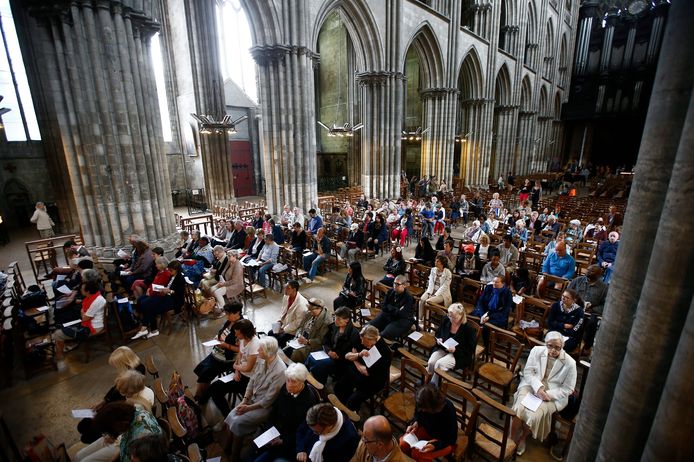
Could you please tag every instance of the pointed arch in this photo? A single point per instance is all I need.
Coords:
(470, 76)
(264, 22)
(542, 108)
(526, 95)
(557, 106)
(502, 88)
(549, 38)
(427, 46)
(361, 28)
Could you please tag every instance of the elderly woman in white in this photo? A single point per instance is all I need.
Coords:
(439, 287)
(550, 375)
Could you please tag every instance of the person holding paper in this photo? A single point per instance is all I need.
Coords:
(454, 327)
(397, 311)
(361, 382)
(341, 338)
(566, 317)
(321, 250)
(434, 430)
(311, 332)
(353, 289)
(256, 245)
(166, 297)
(221, 359)
(287, 414)
(243, 366)
(327, 436)
(439, 286)
(294, 310)
(549, 374)
(93, 306)
(263, 387)
(202, 257)
(395, 266)
(377, 443)
(267, 258)
(494, 305)
(141, 266)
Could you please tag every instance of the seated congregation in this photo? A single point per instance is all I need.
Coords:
(469, 345)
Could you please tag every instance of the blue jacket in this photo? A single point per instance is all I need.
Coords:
(278, 234)
(563, 267)
(607, 252)
(315, 223)
(498, 315)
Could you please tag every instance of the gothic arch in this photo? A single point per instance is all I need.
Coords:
(542, 105)
(361, 28)
(427, 46)
(502, 87)
(526, 95)
(557, 106)
(549, 39)
(264, 22)
(470, 76)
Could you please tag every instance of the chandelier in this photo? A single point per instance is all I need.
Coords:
(341, 130)
(413, 135)
(462, 138)
(208, 125)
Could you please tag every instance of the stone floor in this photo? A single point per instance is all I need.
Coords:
(42, 404)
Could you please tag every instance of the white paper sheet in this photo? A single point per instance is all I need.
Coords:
(374, 355)
(72, 323)
(83, 413)
(60, 277)
(319, 355)
(125, 273)
(41, 309)
(450, 343)
(226, 378)
(211, 343)
(64, 290)
(157, 287)
(294, 343)
(215, 459)
(276, 327)
(266, 437)
(412, 440)
(531, 402)
(517, 299)
(122, 254)
(365, 312)
(122, 300)
(415, 335)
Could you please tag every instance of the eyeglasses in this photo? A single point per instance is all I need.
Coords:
(398, 284)
(553, 347)
(365, 441)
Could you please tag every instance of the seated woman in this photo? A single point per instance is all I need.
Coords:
(288, 413)
(131, 385)
(453, 326)
(221, 359)
(468, 264)
(495, 205)
(256, 245)
(397, 311)
(141, 266)
(230, 285)
(208, 285)
(519, 233)
(434, 421)
(92, 313)
(353, 244)
(194, 267)
(445, 236)
(171, 296)
(482, 249)
(574, 234)
(263, 387)
(424, 253)
(354, 288)
(566, 317)
(326, 436)
(448, 253)
(520, 282)
(439, 286)
(395, 266)
(494, 306)
(361, 382)
(298, 238)
(549, 374)
(379, 234)
(243, 366)
(473, 232)
(403, 228)
(121, 419)
(439, 219)
(341, 338)
(311, 332)
(122, 359)
(287, 216)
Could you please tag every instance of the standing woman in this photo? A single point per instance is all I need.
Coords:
(43, 221)
(524, 192)
(354, 288)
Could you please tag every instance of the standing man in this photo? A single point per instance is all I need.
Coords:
(43, 221)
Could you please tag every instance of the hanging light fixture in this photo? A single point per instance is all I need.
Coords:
(341, 130)
(463, 138)
(413, 135)
(207, 125)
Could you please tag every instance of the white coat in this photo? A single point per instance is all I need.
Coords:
(444, 289)
(293, 315)
(562, 378)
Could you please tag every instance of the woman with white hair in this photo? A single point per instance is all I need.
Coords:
(520, 232)
(455, 327)
(474, 232)
(264, 386)
(287, 414)
(574, 234)
(550, 375)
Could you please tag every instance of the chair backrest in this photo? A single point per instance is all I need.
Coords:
(470, 291)
(413, 374)
(194, 454)
(151, 367)
(505, 349)
(554, 290)
(159, 392)
(165, 427)
(433, 317)
(466, 405)
(493, 435)
(535, 309)
(177, 427)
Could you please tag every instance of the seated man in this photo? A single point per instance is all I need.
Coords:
(361, 382)
(397, 311)
(315, 222)
(607, 254)
(508, 254)
(237, 239)
(377, 443)
(267, 259)
(593, 291)
(294, 310)
(558, 263)
(321, 251)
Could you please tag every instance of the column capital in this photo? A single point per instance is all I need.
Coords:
(371, 78)
(506, 107)
(265, 55)
(438, 92)
(527, 113)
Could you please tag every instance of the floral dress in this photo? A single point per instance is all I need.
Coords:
(143, 424)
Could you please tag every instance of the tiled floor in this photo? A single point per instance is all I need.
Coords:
(43, 403)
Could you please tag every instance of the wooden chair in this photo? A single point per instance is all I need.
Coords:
(433, 317)
(501, 366)
(492, 439)
(177, 429)
(161, 395)
(335, 401)
(469, 293)
(532, 309)
(151, 367)
(555, 286)
(194, 454)
(401, 404)
(251, 289)
(466, 409)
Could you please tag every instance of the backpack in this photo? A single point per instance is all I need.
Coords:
(188, 417)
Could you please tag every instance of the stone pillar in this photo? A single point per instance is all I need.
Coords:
(505, 123)
(438, 142)
(382, 103)
(99, 92)
(286, 94)
(606, 53)
(588, 19)
(525, 148)
(471, 151)
(209, 100)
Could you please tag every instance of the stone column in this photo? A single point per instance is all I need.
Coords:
(438, 142)
(606, 53)
(505, 139)
(99, 92)
(471, 150)
(525, 148)
(382, 103)
(588, 13)
(286, 93)
(209, 100)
